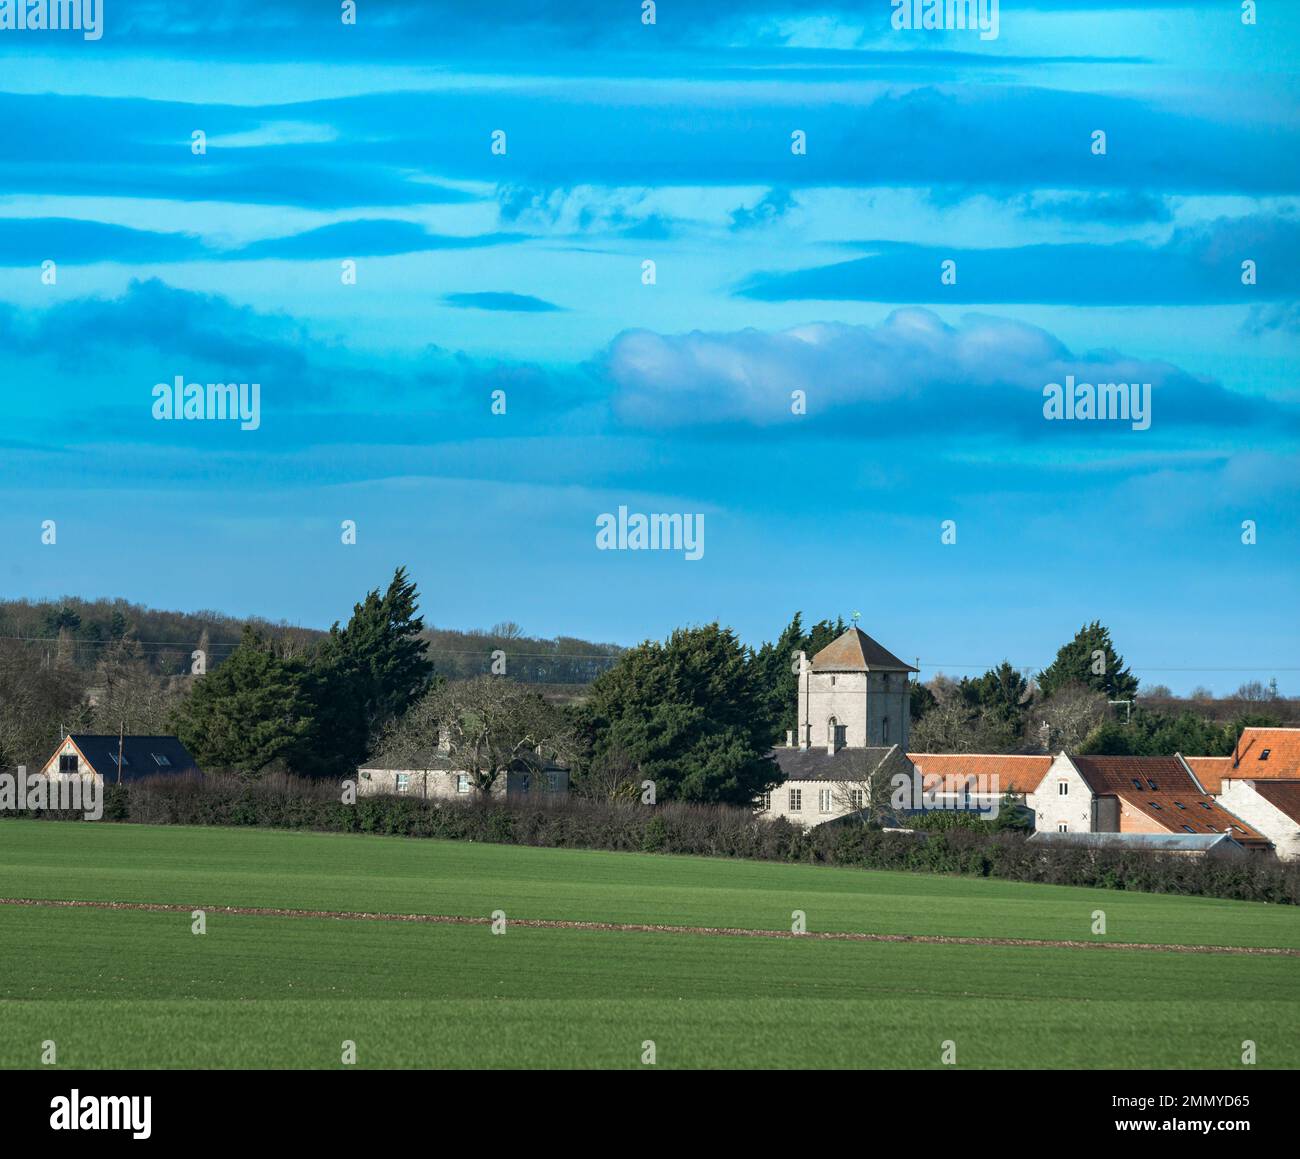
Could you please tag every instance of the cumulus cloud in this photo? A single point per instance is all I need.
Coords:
(912, 373)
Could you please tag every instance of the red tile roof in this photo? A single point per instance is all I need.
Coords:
(1210, 771)
(1163, 790)
(1282, 795)
(1015, 774)
(1113, 775)
(1282, 746)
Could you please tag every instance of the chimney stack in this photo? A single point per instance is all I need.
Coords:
(789, 738)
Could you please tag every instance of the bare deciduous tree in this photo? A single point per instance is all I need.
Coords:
(483, 727)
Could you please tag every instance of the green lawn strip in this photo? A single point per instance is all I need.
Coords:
(140, 989)
(251, 867)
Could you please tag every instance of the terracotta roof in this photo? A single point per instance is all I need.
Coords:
(1163, 790)
(1113, 775)
(1210, 771)
(1282, 746)
(1015, 774)
(1282, 795)
(855, 651)
(1179, 812)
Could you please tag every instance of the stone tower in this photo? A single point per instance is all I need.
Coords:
(853, 694)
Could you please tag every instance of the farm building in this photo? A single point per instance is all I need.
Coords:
(1133, 795)
(1185, 844)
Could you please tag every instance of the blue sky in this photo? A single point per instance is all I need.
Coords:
(478, 272)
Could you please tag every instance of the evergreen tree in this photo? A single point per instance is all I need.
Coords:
(252, 712)
(1089, 660)
(369, 672)
(690, 713)
(1000, 693)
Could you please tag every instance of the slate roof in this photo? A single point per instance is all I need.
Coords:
(1015, 774)
(855, 651)
(1167, 842)
(139, 755)
(816, 764)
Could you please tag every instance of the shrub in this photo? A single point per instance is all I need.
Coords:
(285, 802)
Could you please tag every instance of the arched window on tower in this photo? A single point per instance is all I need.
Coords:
(836, 733)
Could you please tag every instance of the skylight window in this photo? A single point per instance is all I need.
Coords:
(1152, 785)
(161, 760)
(1264, 755)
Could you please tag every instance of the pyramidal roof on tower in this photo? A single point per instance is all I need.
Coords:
(855, 651)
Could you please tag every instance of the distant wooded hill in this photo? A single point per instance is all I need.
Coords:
(77, 632)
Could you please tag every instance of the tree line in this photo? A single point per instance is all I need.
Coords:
(696, 714)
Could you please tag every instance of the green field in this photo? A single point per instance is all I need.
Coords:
(138, 989)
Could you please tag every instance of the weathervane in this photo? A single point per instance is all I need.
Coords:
(856, 617)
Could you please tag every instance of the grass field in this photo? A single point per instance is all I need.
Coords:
(126, 988)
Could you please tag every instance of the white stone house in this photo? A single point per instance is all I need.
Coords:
(439, 779)
(1270, 806)
(823, 786)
